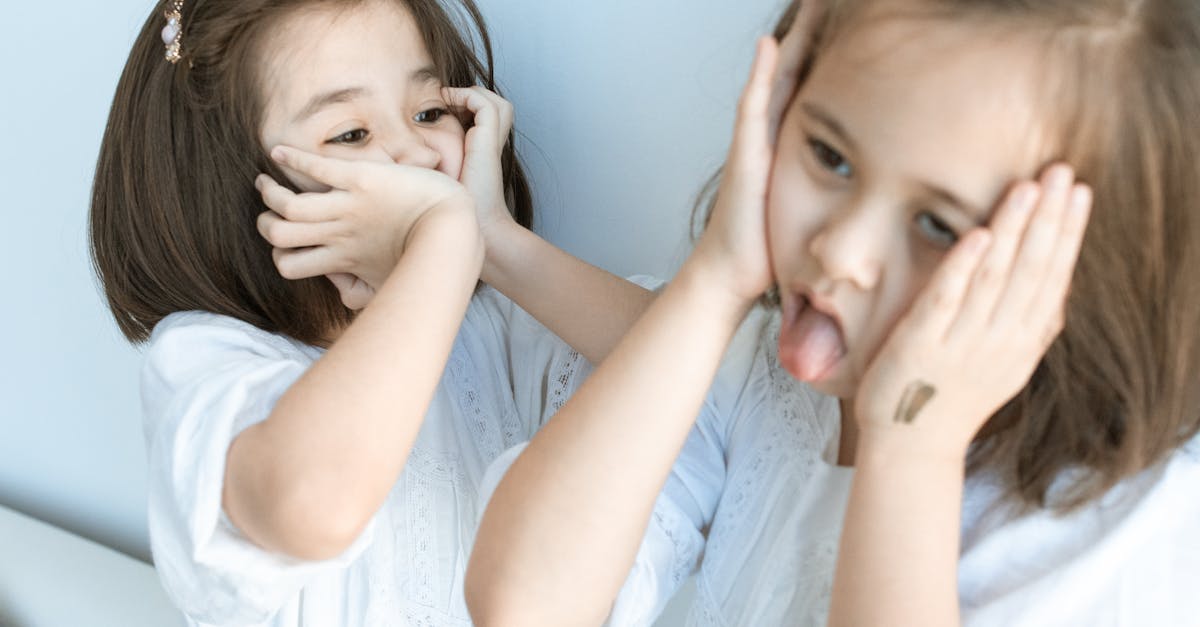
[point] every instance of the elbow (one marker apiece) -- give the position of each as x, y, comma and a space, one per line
301, 523
490, 602
320, 540
318, 524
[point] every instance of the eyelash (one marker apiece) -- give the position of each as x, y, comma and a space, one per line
360, 135
829, 159
439, 111
935, 230
932, 229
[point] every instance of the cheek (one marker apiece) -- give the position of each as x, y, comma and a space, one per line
796, 211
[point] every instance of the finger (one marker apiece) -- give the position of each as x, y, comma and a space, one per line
937, 306
1050, 305
1036, 247
281, 233
335, 173
992, 275
303, 263
794, 50
354, 292
751, 151
306, 207
492, 114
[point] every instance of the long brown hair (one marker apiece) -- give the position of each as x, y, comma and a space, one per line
173, 204
1119, 390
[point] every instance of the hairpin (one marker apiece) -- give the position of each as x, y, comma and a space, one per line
172, 33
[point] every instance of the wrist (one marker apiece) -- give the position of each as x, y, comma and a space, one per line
507, 246
710, 284
908, 445
450, 225
714, 274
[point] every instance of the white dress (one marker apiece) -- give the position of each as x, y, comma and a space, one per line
758, 473
208, 377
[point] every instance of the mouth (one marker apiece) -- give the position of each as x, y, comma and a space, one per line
811, 341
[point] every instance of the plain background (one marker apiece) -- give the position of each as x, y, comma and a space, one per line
625, 107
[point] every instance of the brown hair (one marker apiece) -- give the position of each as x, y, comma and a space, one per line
1119, 390
173, 204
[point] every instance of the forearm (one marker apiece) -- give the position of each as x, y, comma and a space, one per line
563, 527
898, 560
306, 480
590, 309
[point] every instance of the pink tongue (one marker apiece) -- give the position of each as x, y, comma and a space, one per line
809, 344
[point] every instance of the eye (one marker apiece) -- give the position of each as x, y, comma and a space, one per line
830, 159
431, 116
935, 230
351, 138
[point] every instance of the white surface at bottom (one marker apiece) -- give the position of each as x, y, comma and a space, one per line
52, 578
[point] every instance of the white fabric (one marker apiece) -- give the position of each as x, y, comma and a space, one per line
758, 473
208, 377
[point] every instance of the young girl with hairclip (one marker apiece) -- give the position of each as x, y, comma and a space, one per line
961, 409
311, 464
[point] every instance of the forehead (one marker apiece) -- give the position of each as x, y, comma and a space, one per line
936, 99
364, 43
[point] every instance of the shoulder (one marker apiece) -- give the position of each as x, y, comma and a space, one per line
185, 345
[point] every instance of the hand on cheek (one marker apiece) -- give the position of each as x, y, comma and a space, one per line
735, 242
974, 336
357, 230
485, 142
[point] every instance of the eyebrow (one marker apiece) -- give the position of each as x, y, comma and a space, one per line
971, 211
943, 195
325, 99
828, 121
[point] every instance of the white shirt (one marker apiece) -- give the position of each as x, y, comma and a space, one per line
208, 377
758, 471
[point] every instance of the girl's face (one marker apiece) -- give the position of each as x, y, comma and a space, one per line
357, 83
903, 138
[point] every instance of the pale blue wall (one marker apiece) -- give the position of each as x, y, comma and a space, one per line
626, 104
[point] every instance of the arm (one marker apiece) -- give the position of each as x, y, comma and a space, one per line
561, 532
308, 479
917, 416
588, 308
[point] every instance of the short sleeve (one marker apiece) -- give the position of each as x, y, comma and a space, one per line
1130, 558
543, 370
205, 379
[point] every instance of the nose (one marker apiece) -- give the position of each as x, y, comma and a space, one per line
849, 246
408, 146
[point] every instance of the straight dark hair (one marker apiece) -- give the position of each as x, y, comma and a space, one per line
173, 203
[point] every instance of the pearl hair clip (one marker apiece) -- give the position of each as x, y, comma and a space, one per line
172, 33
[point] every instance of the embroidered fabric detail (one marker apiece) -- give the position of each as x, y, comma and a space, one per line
687, 546
562, 381
790, 414
704, 612
483, 428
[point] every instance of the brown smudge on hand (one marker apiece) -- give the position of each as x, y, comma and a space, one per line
916, 396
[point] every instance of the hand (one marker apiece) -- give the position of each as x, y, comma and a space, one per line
794, 51
974, 336
358, 228
485, 141
735, 237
